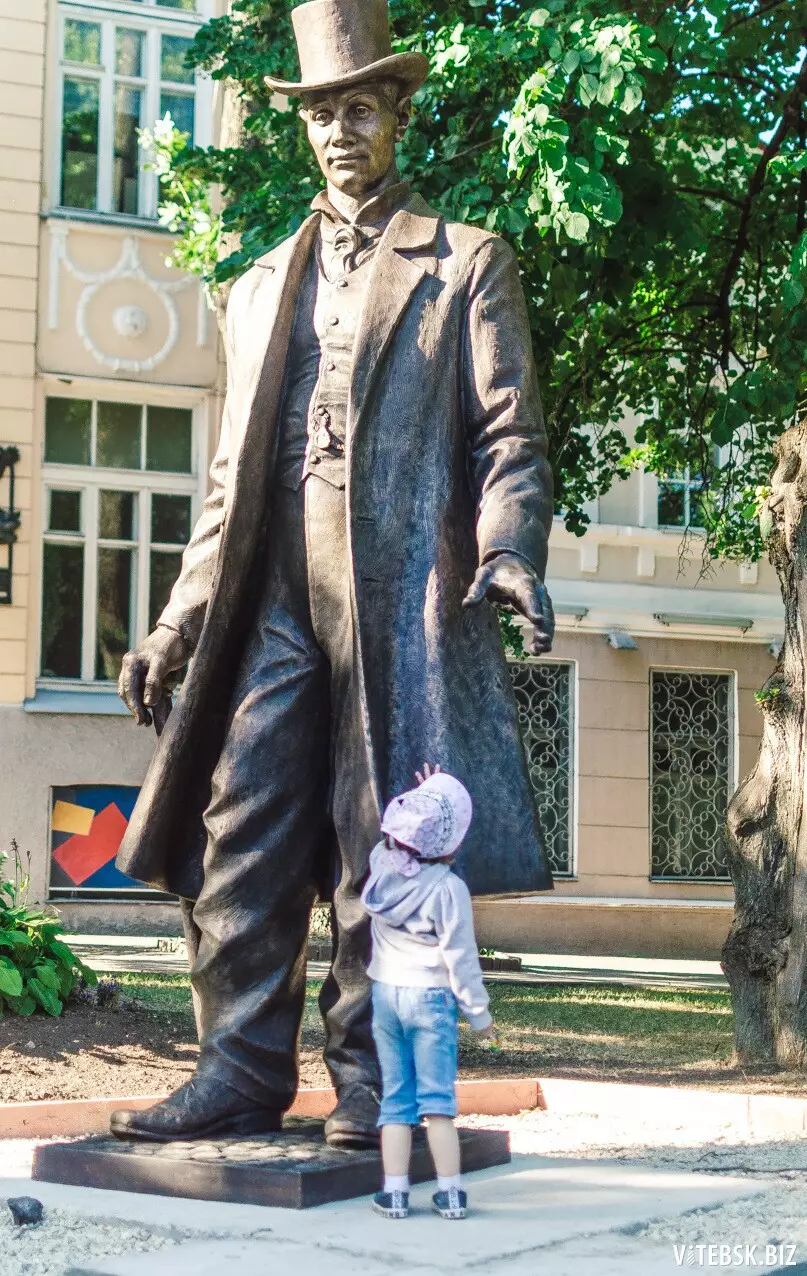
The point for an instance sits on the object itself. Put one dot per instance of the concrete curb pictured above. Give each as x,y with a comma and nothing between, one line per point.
763,1115
67,1117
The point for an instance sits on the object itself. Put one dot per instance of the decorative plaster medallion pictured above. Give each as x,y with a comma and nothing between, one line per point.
130,321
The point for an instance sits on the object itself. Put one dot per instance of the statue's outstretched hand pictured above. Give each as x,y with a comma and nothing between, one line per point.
145,669
508,578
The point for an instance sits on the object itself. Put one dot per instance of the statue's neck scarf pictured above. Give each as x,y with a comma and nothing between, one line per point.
347,243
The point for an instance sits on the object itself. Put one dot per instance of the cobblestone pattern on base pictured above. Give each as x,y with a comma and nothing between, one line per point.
294,1168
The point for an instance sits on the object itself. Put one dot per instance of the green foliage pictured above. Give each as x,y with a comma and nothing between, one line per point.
768,697
37,970
185,204
648,162
512,634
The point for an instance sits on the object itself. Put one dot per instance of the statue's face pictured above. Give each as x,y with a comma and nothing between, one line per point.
353,133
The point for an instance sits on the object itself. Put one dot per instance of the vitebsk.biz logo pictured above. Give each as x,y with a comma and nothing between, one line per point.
727,1255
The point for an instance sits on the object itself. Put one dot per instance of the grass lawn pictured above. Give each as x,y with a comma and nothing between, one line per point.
607,1026
164,996
146,1045
596,1024
581,1030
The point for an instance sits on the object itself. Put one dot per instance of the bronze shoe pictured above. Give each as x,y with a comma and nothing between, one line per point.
200,1109
354,1121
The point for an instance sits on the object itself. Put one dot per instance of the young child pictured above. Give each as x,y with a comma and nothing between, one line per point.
425,966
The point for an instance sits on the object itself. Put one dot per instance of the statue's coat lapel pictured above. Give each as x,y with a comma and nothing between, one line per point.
394,279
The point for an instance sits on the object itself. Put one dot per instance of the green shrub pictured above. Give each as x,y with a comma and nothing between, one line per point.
37,970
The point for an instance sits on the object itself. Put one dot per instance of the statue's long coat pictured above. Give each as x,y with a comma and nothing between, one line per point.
446,467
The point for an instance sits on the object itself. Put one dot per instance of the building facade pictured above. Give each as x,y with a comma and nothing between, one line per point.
637,728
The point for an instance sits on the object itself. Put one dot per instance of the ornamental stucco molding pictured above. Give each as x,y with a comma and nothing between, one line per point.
128,321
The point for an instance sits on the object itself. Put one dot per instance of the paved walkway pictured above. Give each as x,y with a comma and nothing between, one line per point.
624,1184
556,1217
110,953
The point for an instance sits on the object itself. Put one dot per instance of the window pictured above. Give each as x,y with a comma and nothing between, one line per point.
119,498
691,777
545,712
119,72
683,497
680,501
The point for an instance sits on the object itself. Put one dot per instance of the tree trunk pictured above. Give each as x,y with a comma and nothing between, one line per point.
232,136
765,955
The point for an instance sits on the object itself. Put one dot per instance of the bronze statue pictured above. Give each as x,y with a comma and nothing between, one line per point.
381,478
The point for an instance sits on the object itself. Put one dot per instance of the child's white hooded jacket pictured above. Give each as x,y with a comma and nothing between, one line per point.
423,933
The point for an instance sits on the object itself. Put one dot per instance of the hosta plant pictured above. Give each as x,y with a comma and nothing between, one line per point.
37,969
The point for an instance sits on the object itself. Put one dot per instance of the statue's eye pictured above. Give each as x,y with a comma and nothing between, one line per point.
362,111
322,117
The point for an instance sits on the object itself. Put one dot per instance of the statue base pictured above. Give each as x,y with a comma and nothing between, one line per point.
293,1169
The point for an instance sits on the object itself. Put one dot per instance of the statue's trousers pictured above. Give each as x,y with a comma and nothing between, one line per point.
292,782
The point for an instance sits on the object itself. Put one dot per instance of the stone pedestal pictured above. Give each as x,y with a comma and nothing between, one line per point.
294,1169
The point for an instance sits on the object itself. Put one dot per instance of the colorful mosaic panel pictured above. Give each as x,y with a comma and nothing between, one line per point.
87,826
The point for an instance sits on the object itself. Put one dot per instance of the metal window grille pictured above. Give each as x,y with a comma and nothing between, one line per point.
692,764
545,714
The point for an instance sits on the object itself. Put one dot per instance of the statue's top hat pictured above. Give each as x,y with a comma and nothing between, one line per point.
344,42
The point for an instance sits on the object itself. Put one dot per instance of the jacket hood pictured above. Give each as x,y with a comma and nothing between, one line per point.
392,895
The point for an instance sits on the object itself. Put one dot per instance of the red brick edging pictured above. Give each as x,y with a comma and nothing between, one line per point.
51,1118
761,1114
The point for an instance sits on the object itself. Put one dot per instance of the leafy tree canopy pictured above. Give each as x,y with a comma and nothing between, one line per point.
648,163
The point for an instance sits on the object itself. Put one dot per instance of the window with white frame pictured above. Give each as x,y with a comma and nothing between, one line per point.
680,500
692,773
122,67
545,699
120,495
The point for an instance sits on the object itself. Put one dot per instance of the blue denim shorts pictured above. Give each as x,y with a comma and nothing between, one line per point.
415,1031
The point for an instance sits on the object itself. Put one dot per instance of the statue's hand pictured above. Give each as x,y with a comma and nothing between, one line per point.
508,578
144,670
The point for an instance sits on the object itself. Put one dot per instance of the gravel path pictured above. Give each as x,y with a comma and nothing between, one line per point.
65,1240
777,1215
670,1141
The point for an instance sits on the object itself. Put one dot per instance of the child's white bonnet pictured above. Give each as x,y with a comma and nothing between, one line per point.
432,819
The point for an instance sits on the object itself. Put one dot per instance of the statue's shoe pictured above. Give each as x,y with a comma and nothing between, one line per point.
203,1108
354,1121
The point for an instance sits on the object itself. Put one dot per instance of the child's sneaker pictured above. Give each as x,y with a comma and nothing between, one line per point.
453,1203
392,1204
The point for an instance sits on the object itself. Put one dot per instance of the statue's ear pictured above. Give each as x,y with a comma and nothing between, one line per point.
403,110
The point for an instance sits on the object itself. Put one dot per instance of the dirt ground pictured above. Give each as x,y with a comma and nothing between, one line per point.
147,1044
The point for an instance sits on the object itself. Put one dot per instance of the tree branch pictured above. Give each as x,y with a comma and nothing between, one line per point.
801,211
752,17
757,292
469,150
746,80
709,194
791,113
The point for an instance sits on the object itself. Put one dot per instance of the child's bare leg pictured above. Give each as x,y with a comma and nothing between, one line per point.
450,1201
396,1150
444,1145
